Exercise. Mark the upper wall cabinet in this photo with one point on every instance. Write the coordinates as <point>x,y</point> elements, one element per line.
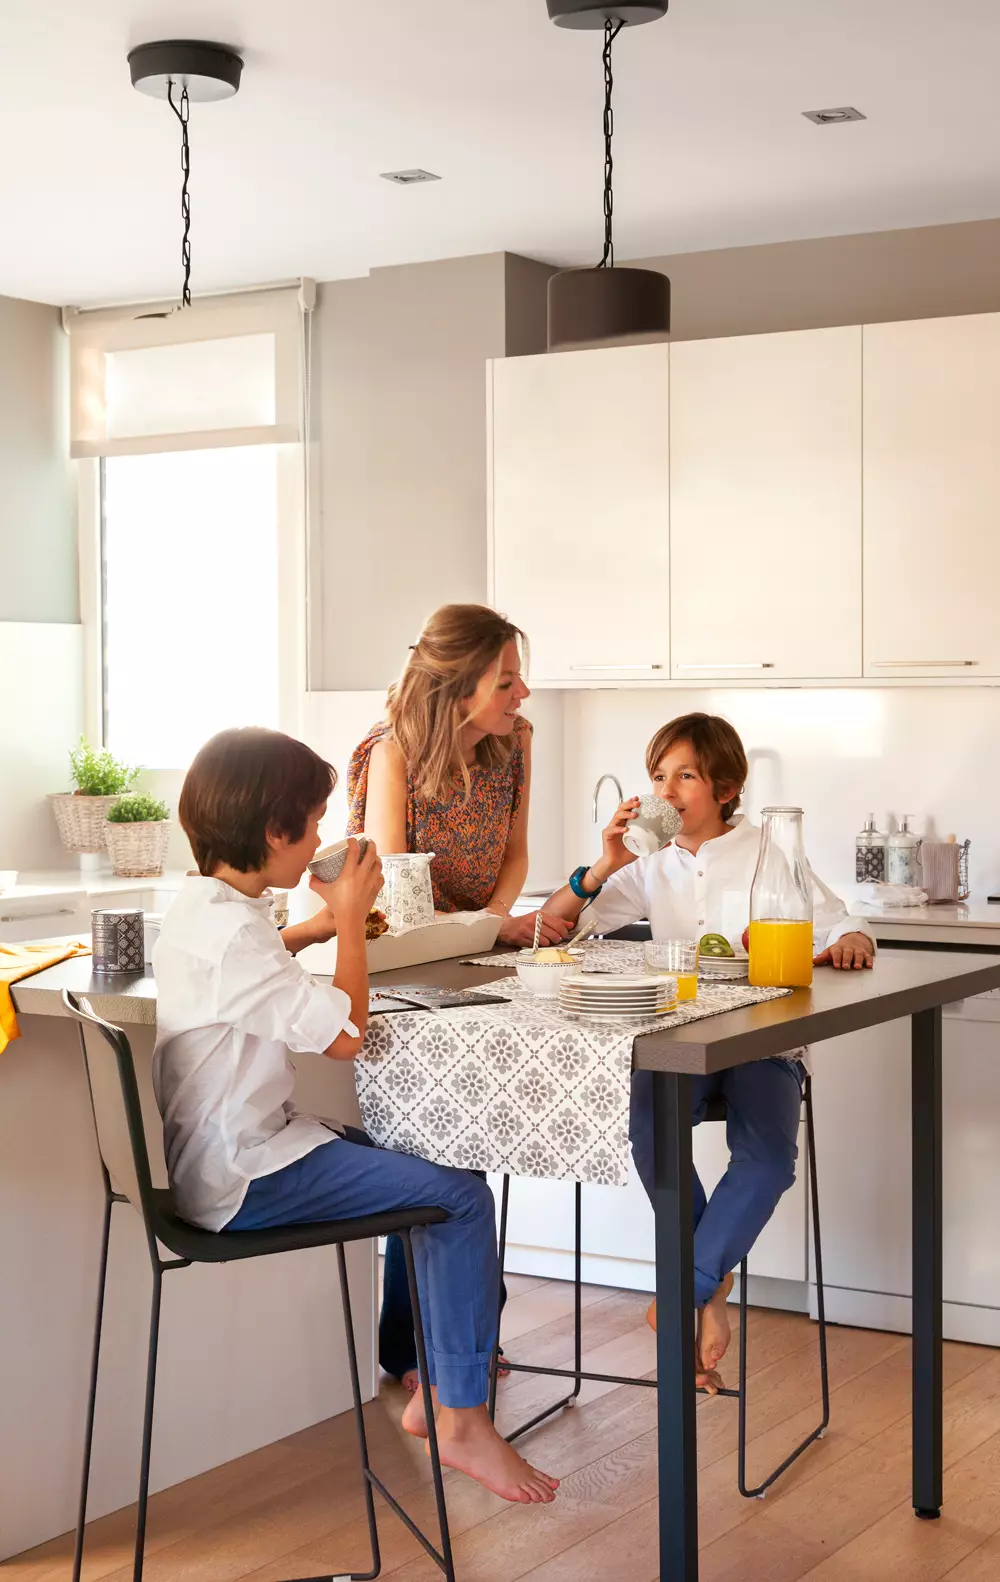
<point>765,506</point>
<point>932,497</point>
<point>580,510</point>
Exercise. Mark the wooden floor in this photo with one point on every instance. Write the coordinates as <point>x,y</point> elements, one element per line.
<point>842,1513</point>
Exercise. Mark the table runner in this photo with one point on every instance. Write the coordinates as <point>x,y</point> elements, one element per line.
<point>524,1088</point>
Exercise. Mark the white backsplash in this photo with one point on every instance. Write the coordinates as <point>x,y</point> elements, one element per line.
<point>932,752</point>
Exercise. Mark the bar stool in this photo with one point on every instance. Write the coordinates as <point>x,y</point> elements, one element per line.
<point>715,1111</point>
<point>121,1141</point>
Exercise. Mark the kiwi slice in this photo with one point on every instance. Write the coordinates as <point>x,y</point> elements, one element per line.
<point>715,945</point>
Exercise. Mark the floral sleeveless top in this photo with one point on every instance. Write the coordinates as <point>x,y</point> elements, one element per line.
<point>469,839</point>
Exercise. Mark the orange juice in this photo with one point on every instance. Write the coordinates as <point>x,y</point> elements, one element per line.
<point>781,954</point>
<point>687,985</point>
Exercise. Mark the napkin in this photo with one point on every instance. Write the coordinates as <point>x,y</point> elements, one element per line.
<point>20,961</point>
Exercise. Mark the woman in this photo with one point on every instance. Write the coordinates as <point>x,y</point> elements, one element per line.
<point>449,771</point>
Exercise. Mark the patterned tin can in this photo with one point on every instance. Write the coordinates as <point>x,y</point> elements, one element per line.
<point>118,940</point>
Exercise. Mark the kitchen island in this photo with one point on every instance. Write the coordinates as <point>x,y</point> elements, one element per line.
<point>249,1352</point>
<point>906,985</point>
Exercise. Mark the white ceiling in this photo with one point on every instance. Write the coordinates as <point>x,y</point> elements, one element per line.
<point>711,148</point>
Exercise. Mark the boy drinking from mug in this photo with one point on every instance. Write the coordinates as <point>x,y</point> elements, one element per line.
<point>232,1002</point>
<point>700,884</point>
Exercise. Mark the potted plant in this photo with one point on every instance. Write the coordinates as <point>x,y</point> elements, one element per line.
<point>100,779</point>
<point>137,828</point>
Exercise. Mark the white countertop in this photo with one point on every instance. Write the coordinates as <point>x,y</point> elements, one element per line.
<point>43,883</point>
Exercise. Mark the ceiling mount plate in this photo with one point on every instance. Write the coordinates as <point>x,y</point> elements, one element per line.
<point>207,71</point>
<point>589,14</point>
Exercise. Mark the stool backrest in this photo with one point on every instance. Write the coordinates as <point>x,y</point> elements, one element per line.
<point>114,1098</point>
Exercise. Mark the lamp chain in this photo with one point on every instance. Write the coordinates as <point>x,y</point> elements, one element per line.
<point>611,32</point>
<point>183,112</point>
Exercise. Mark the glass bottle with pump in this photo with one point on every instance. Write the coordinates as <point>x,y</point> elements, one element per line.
<point>869,854</point>
<point>781,904</point>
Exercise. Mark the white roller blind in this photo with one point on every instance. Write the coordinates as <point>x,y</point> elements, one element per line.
<point>225,371</point>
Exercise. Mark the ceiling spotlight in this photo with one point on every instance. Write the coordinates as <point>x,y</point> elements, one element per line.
<point>408,178</point>
<point>844,112</point>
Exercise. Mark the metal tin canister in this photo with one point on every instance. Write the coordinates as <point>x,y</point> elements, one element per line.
<point>118,940</point>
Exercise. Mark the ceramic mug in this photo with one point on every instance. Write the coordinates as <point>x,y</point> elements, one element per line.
<point>653,827</point>
<point>406,897</point>
<point>328,863</point>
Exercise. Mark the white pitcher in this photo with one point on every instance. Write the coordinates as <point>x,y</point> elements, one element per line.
<point>406,897</point>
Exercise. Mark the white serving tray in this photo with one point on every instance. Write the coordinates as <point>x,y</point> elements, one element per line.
<point>437,941</point>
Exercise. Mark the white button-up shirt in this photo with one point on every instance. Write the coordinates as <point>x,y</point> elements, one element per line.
<point>230,1005</point>
<point>687,894</point>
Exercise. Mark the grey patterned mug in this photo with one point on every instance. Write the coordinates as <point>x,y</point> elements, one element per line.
<point>653,827</point>
<point>406,896</point>
<point>119,941</point>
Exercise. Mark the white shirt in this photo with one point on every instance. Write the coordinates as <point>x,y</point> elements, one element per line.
<point>686,894</point>
<point>230,1005</point>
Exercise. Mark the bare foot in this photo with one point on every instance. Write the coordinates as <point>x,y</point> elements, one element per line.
<point>414,1416</point>
<point>468,1442</point>
<point>714,1329</point>
<point>410,1381</point>
<point>704,1378</point>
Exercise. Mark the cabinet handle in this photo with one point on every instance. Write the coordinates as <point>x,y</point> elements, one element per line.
<point>29,917</point>
<point>617,667</point>
<point>755,664</point>
<point>923,664</point>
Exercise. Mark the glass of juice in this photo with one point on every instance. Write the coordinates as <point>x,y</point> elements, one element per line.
<point>675,958</point>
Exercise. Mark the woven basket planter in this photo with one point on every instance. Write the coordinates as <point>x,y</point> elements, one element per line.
<point>138,851</point>
<point>80,820</point>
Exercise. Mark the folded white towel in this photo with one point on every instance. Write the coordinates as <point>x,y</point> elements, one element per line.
<point>891,895</point>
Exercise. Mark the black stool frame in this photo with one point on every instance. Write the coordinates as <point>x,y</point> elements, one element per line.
<point>199,1246</point>
<point>715,1111</point>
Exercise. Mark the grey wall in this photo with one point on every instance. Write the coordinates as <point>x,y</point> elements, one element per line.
<point>38,564</point>
<point>884,275</point>
<point>400,402</point>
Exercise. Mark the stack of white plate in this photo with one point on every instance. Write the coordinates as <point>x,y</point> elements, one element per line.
<point>723,969</point>
<point>617,995</point>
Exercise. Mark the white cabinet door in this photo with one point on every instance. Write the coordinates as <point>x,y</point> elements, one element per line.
<point>765,506</point>
<point>46,917</point>
<point>932,497</point>
<point>580,510</point>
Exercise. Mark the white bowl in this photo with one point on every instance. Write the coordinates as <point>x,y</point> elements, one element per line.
<point>8,880</point>
<point>328,863</point>
<point>544,977</point>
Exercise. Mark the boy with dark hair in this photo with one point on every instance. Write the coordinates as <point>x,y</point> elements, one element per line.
<point>232,1001</point>
<point>701,884</point>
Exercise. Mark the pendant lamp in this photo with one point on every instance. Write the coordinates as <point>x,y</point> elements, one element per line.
<point>605,303</point>
<point>185,72</point>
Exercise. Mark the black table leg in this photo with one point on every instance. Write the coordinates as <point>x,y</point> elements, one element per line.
<point>927,1264</point>
<point>673,1206</point>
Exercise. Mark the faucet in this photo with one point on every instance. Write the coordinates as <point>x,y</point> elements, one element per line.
<point>597,790</point>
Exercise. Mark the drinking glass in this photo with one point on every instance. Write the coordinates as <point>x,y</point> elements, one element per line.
<point>675,958</point>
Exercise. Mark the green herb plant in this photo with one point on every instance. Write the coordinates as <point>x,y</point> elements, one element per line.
<point>138,807</point>
<point>98,773</point>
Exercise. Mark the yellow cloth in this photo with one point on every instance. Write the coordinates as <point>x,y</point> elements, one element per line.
<point>20,961</point>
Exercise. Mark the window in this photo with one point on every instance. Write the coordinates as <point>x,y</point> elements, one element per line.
<point>190,628</point>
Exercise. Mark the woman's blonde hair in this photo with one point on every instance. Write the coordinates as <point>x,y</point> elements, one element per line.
<point>454,651</point>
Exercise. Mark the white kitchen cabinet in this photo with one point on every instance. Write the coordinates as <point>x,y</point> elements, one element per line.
<point>765,506</point>
<point>42,917</point>
<point>862,1092</point>
<point>932,497</point>
<point>579,508</point>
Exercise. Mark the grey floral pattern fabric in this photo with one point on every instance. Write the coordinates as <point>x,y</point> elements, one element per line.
<point>523,1088</point>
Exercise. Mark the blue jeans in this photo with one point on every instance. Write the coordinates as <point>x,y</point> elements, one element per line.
<point>764,1100</point>
<point>456,1261</point>
<point>397,1347</point>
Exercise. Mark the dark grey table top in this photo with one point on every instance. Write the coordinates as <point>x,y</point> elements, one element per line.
<point>901,983</point>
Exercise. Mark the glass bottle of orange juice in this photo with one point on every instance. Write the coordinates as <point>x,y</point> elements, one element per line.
<point>781,905</point>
